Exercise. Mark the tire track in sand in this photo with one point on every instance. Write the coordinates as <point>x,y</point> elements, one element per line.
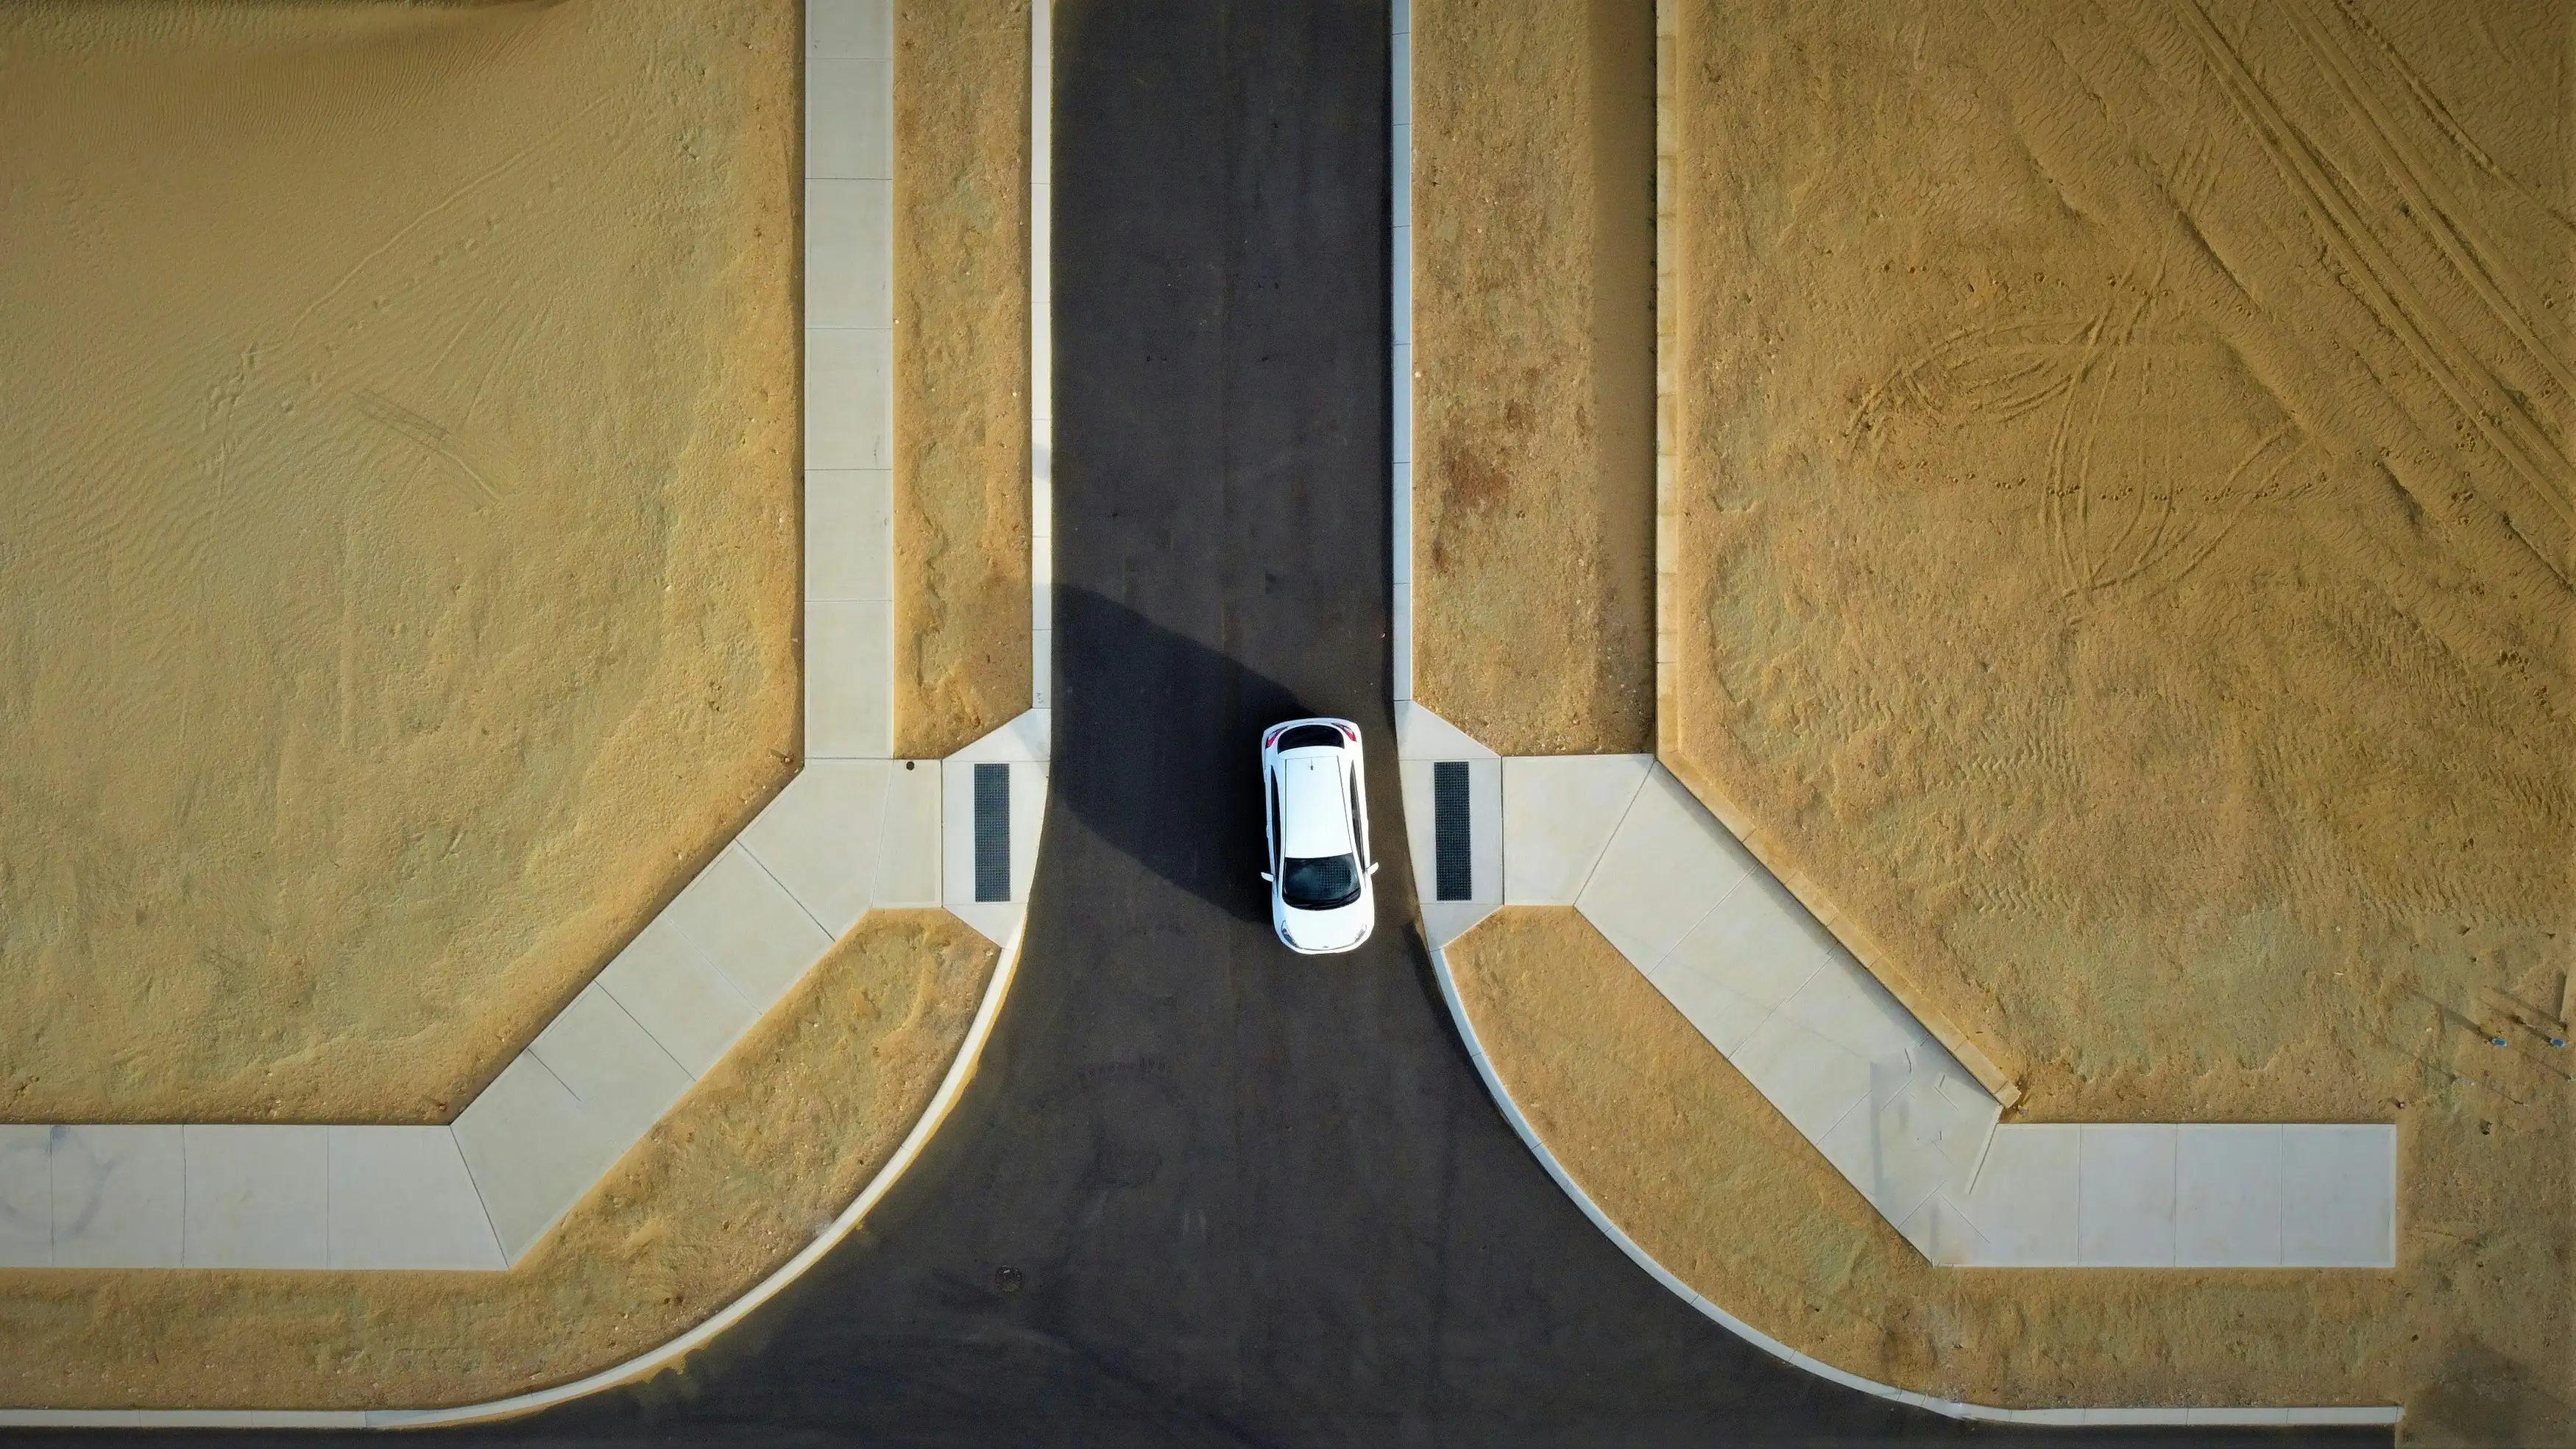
<point>2542,518</point>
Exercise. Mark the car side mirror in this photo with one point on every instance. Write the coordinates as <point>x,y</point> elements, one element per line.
<point>1265,875</point>
<point>1372,867</point>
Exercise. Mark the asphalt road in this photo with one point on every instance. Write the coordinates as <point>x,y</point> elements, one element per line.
<point>1203,1191</point>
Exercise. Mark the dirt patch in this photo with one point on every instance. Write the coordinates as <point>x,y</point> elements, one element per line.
<point>2120,549</point>
<point>588,213</point>
<point>962,665</point>
<point>2089,580</point>
<point>1690,1161</point>
<point>2122,500</point>
<point>735,1180</point>
<point>398,409</point>
<point>1533,496</point>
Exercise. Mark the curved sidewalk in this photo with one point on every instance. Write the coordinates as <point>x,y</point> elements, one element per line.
<point>1872,1088</point>
<point>857,829</point>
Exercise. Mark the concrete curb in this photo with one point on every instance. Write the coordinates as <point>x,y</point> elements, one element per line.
<point>1948,1408</point>
<point>737,938</point>
<point>1573,796</point>
<point>643,1365</point>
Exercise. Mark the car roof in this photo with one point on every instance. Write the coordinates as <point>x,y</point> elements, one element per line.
<point>1314,810</point>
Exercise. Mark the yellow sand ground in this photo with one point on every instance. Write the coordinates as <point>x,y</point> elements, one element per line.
<point>782,1134</point>
<point>2120,573</point>
<point>764,1151</point>
<point>1534,464</point>
<point>398,416</point>
<point>961,372</point>
<point>1703,1173</point>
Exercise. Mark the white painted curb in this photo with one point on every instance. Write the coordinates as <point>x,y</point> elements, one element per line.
<point>1024,741</point>
<point>1401,649</point>
<point>642,1365</point>
<point>1947,1408</point>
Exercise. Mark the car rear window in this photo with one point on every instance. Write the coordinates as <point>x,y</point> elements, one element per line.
<point>1307,737</point>
<point>1319,883</point>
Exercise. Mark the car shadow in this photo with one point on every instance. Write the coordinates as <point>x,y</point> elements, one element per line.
<point>1135,701</point>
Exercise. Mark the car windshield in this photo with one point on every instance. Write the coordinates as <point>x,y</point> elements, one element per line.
<point>1307,737</point>
<point>1316,883</point>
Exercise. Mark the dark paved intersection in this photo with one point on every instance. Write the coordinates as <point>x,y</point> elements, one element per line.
<point>1249,1198</point>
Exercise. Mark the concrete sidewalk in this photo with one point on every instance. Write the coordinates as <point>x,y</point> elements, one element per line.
<point>856,829</point>
<point>1874,1089</point>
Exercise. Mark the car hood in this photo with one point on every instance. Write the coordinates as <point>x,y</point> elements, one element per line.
<point>1337,929</point>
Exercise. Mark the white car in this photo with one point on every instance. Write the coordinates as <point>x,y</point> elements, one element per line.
<point>1315,817</point>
